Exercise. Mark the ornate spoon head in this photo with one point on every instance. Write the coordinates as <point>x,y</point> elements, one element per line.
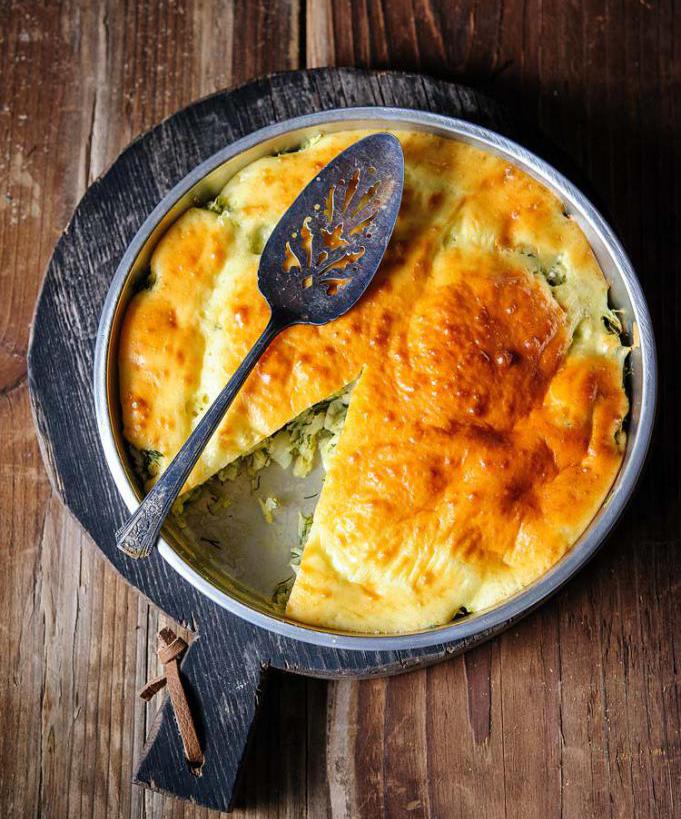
<point>325,250</point>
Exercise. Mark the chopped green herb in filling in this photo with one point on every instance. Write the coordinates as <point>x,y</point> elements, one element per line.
<point>217,205</point>
<point>304,526</point>
<point>146,462</point>
<point>283,589</point>
<point>268,507</point>
<point>295,446</point>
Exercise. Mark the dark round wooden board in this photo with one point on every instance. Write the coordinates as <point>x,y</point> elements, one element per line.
<point>224,666</point>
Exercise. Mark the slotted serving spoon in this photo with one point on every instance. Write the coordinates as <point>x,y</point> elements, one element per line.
<point>319,260</point>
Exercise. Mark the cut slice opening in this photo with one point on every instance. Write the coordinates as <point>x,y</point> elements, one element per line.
<point>264,501</point>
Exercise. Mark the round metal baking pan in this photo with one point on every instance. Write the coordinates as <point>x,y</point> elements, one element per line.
<point>204,182</point>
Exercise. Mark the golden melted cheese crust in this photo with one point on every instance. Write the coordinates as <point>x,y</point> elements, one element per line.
<point>483,432</point>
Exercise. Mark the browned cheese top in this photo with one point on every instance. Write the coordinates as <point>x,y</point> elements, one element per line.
<point>484,429</point>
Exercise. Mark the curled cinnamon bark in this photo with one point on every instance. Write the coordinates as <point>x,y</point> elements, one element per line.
<point>170,649</point>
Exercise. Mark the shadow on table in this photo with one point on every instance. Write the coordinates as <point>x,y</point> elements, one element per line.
<point>628,162</point>
<point>285,766</point>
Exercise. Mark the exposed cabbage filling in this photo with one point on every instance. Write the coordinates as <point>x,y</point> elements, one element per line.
<point>294,447</point>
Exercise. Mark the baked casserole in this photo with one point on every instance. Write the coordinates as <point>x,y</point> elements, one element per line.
<point>469,409</point>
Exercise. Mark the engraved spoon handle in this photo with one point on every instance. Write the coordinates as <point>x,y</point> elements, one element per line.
<point>138,536</point>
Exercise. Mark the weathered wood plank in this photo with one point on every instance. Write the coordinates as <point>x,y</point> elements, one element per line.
<point>222,670</point>
<point>604,83</point>
<point>577,727</point>
<point>79,81</point>
<point>25,492</point>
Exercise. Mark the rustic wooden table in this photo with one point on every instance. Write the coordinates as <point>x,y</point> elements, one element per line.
<point>576,712</point>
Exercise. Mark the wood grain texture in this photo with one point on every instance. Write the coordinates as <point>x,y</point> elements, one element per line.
<point>584,696</point>
<point>575,712</point>
<point>222,671</point>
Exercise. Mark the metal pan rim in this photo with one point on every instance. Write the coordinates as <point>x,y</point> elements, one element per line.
<point>619,270</point>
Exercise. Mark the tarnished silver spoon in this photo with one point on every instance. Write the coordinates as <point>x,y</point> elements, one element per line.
<point>319,260</point>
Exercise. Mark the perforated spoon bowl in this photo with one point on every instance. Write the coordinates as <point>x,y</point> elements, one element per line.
<point>316,265</point>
